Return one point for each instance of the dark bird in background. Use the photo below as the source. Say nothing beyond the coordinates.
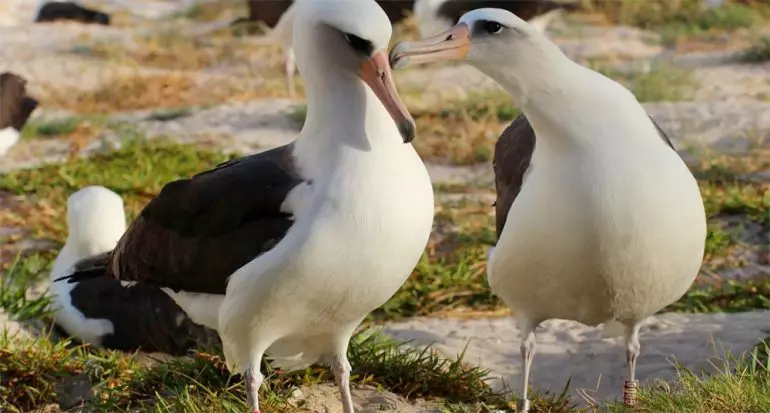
(276, 15)
(434, 16)
(15, 109)
(60, 10)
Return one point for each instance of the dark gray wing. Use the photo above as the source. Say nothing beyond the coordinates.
(513, 154)
(15, 106)
(143, 317)
(198, 231)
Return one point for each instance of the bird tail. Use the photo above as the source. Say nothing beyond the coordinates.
(88, 268)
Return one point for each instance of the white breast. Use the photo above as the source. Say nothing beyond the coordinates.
(607, 233)
(352, 246)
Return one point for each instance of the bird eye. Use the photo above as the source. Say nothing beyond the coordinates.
(358, 44)
(493, 27)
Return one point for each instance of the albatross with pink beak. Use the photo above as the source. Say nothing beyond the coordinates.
(285, 252)
(604, 222)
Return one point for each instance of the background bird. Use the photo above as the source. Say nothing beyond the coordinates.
(101, 311)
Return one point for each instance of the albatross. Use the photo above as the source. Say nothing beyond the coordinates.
(100, 311)
(599, 219)
(286, 251)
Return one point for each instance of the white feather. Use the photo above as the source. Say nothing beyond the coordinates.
(8, 137)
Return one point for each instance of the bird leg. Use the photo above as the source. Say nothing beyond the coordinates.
(633, 348)
(341, 369)
(527, 353)
(290, 67)
(253, 380)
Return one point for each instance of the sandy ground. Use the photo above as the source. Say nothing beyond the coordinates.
(567, 349)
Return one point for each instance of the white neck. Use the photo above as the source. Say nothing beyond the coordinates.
(342, 111)
(551, 91)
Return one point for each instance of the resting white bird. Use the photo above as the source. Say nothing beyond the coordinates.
(102, 312)
(608, 225)
(286, 251)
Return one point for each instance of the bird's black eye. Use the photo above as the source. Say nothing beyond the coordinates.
(360, 45)
(493, 27)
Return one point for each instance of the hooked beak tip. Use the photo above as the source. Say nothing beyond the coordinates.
(397, 59)
(407, 130)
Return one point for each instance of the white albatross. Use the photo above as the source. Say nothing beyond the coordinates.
(608, 225)
(101, 311)
(285, 252)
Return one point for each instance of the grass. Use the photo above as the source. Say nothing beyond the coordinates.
(137, 91)
(675, 20)
(661, 83)
(164, 68)
(21, 278)
(740, 386)
(137, 172)
(758, 52)
(169, 114)
(212, 10)
(33, 372)
(50, 128)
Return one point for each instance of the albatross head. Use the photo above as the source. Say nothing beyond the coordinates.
(96, 220)
(495, 41)
(349, 38)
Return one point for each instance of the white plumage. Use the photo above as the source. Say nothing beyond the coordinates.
(361, 220)
(609, 225)
(8, 137)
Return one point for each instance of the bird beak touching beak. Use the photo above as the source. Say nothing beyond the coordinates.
(450, 45)
(377, 74)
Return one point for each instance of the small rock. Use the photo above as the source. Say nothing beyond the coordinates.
(296, 398)
(73, 391)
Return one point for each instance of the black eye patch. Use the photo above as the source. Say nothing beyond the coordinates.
(487, 27)
(360, 45)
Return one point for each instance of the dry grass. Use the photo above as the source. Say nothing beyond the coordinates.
(138, 91)
(170, 68)
(682, 20)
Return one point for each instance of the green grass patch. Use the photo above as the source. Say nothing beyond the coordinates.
(33, 372)
(137, 171)
(20, 278)
(687, 18)
(728, 297)
(758, 52)
(169, 114)
(50, 128)
(661, 83)
(740, 386)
